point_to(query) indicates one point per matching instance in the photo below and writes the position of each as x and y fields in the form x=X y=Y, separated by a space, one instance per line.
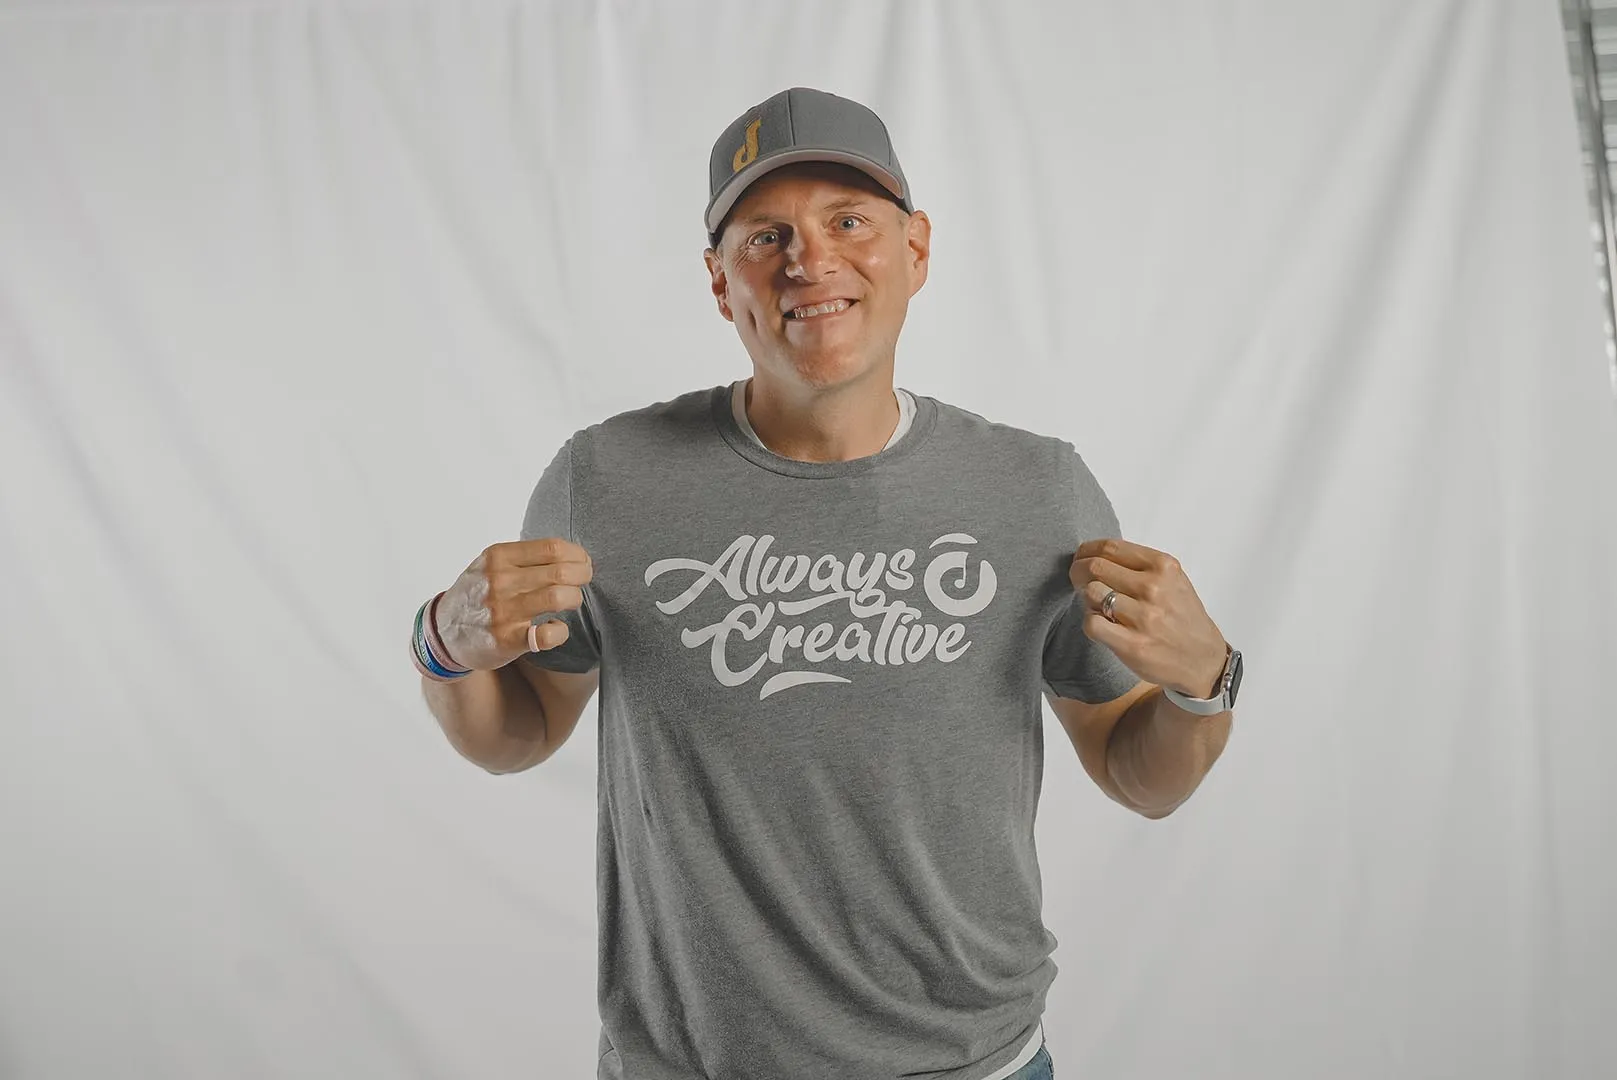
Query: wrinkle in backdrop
x=297 y=300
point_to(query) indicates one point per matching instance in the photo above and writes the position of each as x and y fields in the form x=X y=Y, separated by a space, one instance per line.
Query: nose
x=809 y=256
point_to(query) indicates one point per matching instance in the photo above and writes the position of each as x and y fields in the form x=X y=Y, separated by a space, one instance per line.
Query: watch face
x=1235 y=679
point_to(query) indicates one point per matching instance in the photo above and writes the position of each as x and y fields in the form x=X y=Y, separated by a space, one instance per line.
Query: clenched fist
x=484 y=616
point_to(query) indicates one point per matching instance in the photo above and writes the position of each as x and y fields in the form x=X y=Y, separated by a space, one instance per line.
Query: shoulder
x=652 y=428
x=691 y=404
x=1028 y=449
x=1048 y=463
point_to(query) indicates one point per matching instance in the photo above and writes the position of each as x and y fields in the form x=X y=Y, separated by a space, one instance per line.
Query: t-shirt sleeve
x=550 y=513
x=1075 y=666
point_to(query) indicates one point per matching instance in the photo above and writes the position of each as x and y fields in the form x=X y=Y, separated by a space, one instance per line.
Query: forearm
x=492 y=718
x=1158 y=753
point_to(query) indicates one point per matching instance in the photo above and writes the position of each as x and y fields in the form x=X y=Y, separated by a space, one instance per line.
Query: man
x=820 y=612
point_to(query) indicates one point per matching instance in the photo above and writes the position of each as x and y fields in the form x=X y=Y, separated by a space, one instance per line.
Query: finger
x=1123 y=642
x=523 y=636
x=543 y=636
x=1123 y=552
x=512 y=612
x=517 y=581
x=540 y=552
x=1095 y=568
x=550 y=599
x=1125 y=609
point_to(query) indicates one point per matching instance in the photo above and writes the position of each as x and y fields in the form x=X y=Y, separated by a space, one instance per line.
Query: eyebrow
x=841 y=202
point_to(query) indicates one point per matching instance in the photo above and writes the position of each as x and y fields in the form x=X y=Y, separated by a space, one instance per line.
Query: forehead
x=808 y=185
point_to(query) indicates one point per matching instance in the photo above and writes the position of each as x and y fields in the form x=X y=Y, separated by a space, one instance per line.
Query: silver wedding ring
x=533 y=637
x=1108 y=604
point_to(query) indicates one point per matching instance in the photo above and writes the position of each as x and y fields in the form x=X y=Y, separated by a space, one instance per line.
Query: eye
x=768 y=236
x=855 y=218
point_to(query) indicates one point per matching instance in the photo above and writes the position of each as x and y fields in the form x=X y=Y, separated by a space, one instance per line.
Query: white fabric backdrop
x=297 y=299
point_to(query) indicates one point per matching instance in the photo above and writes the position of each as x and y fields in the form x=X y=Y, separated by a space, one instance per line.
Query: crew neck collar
x=926 y=415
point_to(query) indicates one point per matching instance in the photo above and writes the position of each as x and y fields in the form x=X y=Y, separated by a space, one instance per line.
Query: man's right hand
x=484 y=616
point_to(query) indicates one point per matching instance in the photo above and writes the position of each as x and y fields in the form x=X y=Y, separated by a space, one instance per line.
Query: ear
x=720 y=285
x=919 y=238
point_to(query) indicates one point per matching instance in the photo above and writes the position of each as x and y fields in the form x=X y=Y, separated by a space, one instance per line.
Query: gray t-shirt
x=821 y=737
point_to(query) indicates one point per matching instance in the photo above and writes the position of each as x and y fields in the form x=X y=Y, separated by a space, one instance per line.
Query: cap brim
x=731 y=192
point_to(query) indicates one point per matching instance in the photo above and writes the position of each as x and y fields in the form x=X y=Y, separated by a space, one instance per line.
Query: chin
x=830 y=370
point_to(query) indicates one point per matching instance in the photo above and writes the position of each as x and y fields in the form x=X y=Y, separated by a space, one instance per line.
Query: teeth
x=819 y=309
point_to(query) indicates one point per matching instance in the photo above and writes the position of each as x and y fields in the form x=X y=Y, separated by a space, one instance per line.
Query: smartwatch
x=1223 y=699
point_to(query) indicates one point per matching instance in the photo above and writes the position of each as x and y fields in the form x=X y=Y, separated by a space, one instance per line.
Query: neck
x=811 y=424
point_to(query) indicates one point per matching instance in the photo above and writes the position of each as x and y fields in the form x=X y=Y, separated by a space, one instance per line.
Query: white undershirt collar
x=738 y=405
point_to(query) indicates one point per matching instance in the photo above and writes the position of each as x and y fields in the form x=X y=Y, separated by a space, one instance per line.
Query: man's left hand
x=1163 y=633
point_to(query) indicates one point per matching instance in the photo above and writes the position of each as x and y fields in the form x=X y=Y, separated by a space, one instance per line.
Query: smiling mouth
x=810 y=312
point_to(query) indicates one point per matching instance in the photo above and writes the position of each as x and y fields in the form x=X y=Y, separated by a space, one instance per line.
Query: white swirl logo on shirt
x=748 y=575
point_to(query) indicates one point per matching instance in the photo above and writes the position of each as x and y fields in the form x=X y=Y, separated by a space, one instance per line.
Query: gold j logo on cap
x=748 y=152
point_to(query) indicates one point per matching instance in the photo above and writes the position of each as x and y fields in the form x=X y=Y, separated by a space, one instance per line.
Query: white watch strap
x=1205 y=706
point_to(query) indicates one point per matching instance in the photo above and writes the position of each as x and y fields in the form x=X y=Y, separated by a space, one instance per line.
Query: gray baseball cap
x=799 y=125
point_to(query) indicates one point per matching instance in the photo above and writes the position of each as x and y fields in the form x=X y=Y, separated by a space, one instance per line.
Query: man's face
x=810 y=234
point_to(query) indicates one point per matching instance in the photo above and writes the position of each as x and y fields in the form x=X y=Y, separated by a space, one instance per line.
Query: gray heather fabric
x=821 y=743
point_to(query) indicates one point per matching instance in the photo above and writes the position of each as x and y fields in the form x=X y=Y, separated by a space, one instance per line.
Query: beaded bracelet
x=425 y=661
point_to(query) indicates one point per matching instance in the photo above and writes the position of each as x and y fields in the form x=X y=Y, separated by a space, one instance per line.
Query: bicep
x=1089 y=727
x=562 y=698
